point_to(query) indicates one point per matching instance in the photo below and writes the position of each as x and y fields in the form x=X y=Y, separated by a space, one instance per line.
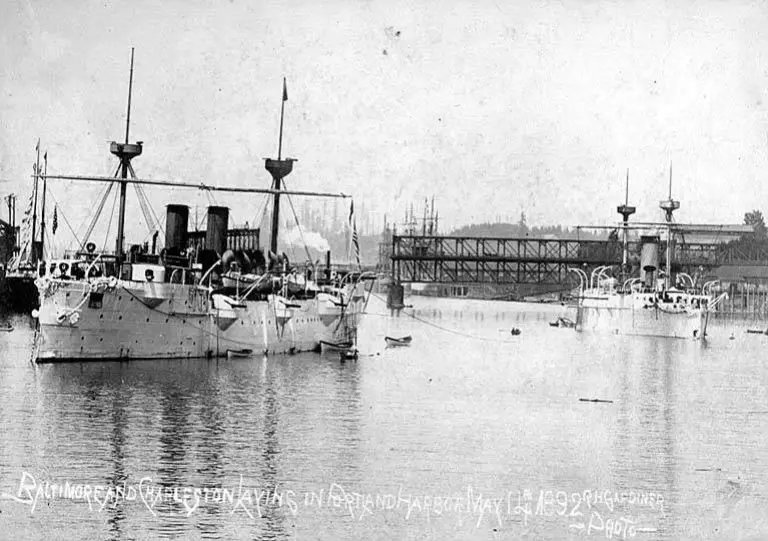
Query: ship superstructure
x=654 y=301
x=187 y=303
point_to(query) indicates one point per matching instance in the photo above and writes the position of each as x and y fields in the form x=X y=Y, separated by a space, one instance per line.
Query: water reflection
x=269 y=476
x=467 y=404
x=644 y=449
x=210 y=450
x=119 y=398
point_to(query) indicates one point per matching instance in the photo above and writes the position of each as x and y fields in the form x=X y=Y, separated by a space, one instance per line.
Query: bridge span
x=503 y=265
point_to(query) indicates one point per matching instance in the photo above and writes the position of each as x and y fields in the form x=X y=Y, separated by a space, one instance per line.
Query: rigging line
x=144 y=194
x=157 y=223
x=153 y=222
x=144 y=211
x=63 y=217
x=109 y=223
x=211 y=199
x=88 y=232
x=103 y=196
x=146 y=208
x=262 y=205
x=298 y=226
x=262 y=222
x=148 y=211
x=200 y=186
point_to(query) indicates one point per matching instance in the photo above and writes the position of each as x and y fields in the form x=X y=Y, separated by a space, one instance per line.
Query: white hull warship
x=648 y=303
x=176 y=304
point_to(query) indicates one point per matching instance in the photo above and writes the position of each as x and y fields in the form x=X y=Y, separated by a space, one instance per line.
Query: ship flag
x=353 y=227
x=285 y=90
x=55 y=220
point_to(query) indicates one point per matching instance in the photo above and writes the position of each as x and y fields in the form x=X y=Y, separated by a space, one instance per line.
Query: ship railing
x=599 y=277
x=596 y=272
x=631 y=284
x=707 y=288
x=686 y=276
x=582 y=278
x=712 y=305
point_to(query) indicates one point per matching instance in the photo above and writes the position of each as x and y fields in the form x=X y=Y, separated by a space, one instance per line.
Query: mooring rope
x=440 y=327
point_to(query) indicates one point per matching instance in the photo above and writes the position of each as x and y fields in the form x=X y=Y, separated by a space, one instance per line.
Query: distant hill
x=521 y=230
x=321 y=236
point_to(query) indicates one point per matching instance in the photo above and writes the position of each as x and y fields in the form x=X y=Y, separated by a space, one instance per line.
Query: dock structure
x=517 y=267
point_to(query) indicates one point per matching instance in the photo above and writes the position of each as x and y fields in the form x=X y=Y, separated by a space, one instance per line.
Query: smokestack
x=649 y=259
x=216 y=229
x=176 y=221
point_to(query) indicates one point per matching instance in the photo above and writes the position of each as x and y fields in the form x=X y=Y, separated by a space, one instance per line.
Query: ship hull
x=134 y=320
x=22 y=293
x=623 y=315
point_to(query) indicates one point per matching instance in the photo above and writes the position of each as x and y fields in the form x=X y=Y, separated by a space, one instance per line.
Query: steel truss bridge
x=450 y=260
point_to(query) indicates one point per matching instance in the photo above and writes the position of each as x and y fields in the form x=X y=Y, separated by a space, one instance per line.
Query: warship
x=654 y=301
x=182 y=302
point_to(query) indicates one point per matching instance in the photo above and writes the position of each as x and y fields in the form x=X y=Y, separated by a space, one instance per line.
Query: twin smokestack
x=177 y=224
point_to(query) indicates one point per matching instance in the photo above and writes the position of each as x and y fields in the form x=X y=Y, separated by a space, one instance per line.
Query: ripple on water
x=468 y=409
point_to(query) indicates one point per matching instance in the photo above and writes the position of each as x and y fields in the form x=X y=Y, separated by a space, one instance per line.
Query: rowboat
x=335 y=347
x=397 y=342
x=235 y=353
x=562 y=322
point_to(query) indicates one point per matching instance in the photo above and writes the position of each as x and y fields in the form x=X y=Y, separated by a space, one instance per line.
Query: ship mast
x=279 y=169
x=126 y=152
x=42 y=220
x=626 y=211
x=33 y=251
x=669 y=206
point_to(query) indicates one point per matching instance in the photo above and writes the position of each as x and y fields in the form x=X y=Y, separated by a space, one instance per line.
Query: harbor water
x=470 y=433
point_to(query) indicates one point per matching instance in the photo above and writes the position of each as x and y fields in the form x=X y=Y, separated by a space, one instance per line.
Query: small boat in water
x=336 y=347
x=515 y=331
x=397 y=342
x=6 y=328
x=563 y=322
x=239 y=353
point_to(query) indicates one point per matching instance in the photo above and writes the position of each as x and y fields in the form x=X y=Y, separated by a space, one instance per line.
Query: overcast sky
x=492 y=107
